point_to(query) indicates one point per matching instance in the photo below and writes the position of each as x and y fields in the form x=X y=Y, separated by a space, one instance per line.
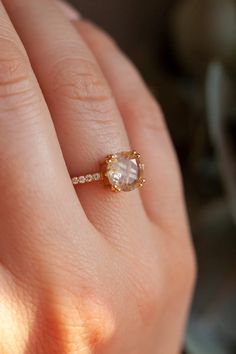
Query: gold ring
x=123 y=171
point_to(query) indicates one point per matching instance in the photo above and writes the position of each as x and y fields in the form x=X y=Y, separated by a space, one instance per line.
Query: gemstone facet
x=124 y=171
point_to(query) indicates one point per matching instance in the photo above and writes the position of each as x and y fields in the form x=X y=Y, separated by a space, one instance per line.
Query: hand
x=84 y=270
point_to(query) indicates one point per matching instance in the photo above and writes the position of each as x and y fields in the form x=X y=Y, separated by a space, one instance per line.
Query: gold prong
x=108 y=161
x=115 y=189
x=141 y=167
x=136 y=154
x=110 y=157
x=142 y=182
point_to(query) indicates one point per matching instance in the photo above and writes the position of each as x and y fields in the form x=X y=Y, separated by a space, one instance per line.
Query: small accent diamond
x=96 y=176
x=75 y=180
x=82 y=179
x=88 y=178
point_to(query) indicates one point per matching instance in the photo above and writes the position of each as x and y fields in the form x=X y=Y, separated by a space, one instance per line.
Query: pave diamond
x=75 y=180
x=125 y=171
x=81 y=179
x=96 y=176
x=88 y=178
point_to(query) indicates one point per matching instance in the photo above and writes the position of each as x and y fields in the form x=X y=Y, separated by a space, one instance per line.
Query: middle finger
x=87 y=120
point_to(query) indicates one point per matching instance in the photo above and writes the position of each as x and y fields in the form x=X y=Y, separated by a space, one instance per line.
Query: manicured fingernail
x=69 y=10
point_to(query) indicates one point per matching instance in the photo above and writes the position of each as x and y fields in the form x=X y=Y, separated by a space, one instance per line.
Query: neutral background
x=186 y=51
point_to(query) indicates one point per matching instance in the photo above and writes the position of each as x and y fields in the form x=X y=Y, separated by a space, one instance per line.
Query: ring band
x=123 y=171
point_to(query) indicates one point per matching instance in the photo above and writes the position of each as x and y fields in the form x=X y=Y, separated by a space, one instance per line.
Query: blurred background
x=186 y=51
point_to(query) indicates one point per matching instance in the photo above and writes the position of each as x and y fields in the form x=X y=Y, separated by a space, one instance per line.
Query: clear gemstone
x=88 y=178
x=123 y=171
x=82 y=179
x=75 y=180
x=96 y=176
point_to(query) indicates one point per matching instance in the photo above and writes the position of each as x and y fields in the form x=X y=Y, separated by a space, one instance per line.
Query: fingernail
x=71 y=13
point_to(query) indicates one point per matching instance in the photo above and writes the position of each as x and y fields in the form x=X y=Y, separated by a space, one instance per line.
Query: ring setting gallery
x=123 y=171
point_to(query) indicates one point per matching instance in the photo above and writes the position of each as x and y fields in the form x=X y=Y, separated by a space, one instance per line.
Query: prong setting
x=115 y=189
x=136 y=154
x=122 y=171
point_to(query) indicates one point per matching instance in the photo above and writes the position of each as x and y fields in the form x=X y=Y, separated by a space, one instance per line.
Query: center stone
x=124 y=172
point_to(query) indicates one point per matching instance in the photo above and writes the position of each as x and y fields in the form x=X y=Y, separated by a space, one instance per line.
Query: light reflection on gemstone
x=124 y=171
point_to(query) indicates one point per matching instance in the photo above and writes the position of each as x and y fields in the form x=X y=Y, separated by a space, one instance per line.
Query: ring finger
x=87 y=120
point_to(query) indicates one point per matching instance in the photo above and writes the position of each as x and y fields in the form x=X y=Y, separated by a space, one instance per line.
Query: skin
x=84 y=270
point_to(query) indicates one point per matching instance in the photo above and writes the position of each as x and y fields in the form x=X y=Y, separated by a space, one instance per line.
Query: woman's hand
x=92 y=271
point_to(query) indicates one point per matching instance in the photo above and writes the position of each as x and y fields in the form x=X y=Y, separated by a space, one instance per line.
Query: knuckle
x=81 y=80
x=14 y=77
x=14 y=324
x=148 y=288
x=82 y=90
x=85 y=321
x=13 y=65
x=151 y=296
x=183 y=268
x=152 y=285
